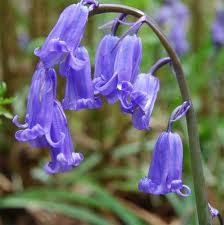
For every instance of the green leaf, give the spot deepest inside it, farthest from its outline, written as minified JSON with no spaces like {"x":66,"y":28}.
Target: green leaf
{"x":114,"y":204}
{"x":3,"y":88}
{"x":6,"y":101}
{"x":80,"y":213}
{"x":4,"y":112}
{"x":96,"y":197}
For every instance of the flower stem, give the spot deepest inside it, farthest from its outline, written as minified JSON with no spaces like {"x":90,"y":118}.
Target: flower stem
{"x":195,"y":153}
{"x":159,"y":64}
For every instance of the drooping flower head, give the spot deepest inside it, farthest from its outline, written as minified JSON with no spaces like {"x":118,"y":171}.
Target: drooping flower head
{"x":218,"y":29}
{"x":139,"y":99}
{"x":39,"y":106}
{"x":119,"y":61}
{"x":165,"y":173}
{"x":63,"y":157}
{"x":65,"y":36}
{"x":79,"y":92}
{"x":174,"y":15}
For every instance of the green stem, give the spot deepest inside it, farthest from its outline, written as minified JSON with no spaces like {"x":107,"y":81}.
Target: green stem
{"x":196,"y":160}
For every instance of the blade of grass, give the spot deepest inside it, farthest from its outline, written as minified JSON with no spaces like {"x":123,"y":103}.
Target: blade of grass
{"x":80,"y":213}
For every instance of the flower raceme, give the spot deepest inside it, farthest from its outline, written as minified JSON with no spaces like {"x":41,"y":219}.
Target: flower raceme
{"x":116,"y":77}
{"x":165,"y":173}
{"x":45,"y":124}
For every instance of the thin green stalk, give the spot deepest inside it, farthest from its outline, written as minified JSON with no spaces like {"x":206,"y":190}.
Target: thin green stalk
{"x":195,"y":153}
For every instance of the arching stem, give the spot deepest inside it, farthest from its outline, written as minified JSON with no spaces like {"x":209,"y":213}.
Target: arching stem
{"x":195,"y":153}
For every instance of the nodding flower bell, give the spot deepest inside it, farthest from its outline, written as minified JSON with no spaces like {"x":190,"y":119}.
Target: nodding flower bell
{"x":139,"y":99}
{"x":218,"y":29}
{"x":125,"y":58}
{"x":39,"y":106}
{"x":79,"y":93}
{"x":63,"y":157}
{"x":104,"y":66}
{"x":165,"y":173}
{"x":65,"y":36}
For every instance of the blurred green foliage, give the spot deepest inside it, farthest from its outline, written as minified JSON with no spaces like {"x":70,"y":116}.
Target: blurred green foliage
{"x":4,"y":101}
{"x":103,"y":190}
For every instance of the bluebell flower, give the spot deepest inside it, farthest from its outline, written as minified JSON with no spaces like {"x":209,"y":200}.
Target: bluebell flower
{"x":139,"y":98}
{"x":124,"y":68}
{"x":218,"y":29}
{"x":165,"y":173}
{"x":79,"y":92}
{"x":65,"y":36}
{"x":39,"y":106}
{"x":104,"y":67}
{"x":174,"y":15}
{"x":63,"y":157}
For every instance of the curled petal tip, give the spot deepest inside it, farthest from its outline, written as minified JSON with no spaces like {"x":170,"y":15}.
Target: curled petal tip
{"x":77,"y":158}
{"x":16,"y":122}
{"x":61,"y":158}
{"x":147,"y":186}
{"x":30,"y":134}
{"x":185,"y":191}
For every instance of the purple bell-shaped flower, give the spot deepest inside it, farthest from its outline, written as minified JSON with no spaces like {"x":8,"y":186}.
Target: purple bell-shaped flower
{"x":104,"y":67}
{"x":165,"y":173}
{"x":79,"y":92}
{"x":63,"y":157}
{"x":218,"y":29}
{"x":139,"y":99}
{"x":65,"y":36}
{"x":39,"y":106}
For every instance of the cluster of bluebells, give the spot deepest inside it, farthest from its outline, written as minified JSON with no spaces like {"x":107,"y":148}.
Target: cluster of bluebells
{"x":45,"y":123}
{"x":175,"y":15}
{"x":117,"y":77}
